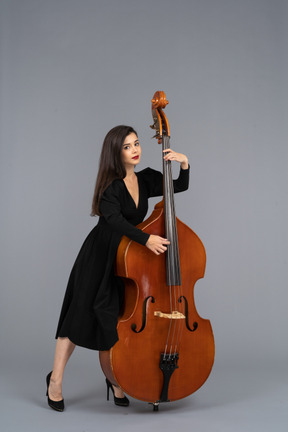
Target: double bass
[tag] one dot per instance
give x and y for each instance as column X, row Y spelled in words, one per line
column 165, row 350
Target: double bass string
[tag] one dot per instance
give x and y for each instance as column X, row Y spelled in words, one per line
column 172, row 261
column 168, row 236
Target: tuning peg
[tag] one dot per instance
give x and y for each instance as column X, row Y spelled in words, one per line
column 156, row 136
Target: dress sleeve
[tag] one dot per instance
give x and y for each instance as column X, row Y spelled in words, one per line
column 111, row 211
column 154, row 181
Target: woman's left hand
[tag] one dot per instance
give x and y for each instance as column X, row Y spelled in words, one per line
column 178, row 157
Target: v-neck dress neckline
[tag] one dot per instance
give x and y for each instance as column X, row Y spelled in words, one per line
column 136, row 206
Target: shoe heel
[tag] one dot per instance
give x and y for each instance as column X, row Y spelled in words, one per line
column 124, row 401
column 56, row 405
column 108, row 388
column 48, row 381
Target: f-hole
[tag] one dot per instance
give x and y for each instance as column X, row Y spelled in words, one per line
column 144, row 315
column 195, row 324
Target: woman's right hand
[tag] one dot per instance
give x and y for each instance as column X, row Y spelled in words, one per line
column 157, row 244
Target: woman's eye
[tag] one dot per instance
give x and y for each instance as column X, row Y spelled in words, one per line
column 126, row 147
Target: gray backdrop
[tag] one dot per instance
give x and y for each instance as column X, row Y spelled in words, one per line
column 71, row 70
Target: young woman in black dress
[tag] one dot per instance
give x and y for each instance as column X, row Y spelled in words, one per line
column 94, row 294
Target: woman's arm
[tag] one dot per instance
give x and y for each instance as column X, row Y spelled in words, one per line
column 154, row 179
column 111, row 211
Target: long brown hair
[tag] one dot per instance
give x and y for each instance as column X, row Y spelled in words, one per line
column 110, row 164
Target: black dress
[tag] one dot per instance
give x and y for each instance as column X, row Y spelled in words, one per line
column 94, row 294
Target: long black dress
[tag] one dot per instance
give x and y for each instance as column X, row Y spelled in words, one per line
column 94, row 294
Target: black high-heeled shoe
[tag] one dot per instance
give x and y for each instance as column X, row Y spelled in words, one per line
column 118, row 401
column 56, row 405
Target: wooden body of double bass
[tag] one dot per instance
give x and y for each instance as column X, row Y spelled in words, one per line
column 165, row 350
column 134, row 360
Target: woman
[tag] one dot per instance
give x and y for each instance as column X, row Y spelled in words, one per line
column 94, row 294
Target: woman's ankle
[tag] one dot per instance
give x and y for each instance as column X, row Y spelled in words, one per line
column 56, row 380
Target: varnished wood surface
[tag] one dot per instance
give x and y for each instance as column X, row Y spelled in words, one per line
column 135, row 358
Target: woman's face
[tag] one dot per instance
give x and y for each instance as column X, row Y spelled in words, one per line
column 131, row 151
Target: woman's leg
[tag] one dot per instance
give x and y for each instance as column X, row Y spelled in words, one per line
column 104, row 357
column 63, row 351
